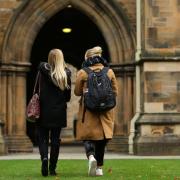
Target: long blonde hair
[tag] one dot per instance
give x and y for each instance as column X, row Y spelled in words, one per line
column 57, row 64
column 95, row 51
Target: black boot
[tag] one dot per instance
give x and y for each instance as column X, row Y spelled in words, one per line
column 53, row 160
column 52, row 167
column 52, row 172
column 44, row 167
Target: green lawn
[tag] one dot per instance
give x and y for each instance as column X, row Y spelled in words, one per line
column 77, row 170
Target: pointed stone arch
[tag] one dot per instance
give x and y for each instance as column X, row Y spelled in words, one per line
column 32, row 16
column 16, row 51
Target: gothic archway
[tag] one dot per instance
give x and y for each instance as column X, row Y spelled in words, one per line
column 19, row 40
column 84, row 34
column 32, row 16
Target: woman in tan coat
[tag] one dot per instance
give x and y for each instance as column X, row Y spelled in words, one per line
column 94, row 128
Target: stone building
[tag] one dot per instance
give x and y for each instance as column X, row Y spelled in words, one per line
column 140, row 40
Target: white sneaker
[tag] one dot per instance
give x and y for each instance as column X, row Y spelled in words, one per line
column 92, row 166
column 99, row 172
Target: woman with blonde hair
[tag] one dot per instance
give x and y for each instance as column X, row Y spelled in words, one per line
column 94, row 128
column 55, row 92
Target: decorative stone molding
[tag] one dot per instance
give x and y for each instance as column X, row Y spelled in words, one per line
column 32, row 16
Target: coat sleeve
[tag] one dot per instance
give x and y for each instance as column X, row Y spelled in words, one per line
column 79, row 84
column 114, row 82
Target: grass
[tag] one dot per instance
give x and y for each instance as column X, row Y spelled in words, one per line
column 77, row 170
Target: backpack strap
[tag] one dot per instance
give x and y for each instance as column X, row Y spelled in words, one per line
column 37, row 83
column 105, row 69
column 87, row 70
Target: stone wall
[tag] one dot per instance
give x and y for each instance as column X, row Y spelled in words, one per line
column 161, row 87
column 161, row 22
column 7, row 9
column 129, row 7
column 158, row 125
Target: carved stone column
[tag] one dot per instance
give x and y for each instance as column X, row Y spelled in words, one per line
column 13, row 107
column 2, row 143
column 124, row 110
column 67, row 134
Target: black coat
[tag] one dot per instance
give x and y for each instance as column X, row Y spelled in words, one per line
column 52, row 99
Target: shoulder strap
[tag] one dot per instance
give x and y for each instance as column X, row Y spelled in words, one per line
column 105, row 69
column 37, row 82
column 87, row 70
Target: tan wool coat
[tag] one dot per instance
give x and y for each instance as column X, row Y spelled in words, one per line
column 95, row 125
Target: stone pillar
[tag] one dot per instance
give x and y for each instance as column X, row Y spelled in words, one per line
column 3, row 149
column 14, row 107
column 124, row 110
column 67, row 135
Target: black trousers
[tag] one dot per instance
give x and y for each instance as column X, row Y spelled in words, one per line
column 44, row 134
column 96, row 148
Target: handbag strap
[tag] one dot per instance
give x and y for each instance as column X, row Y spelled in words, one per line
column 37, row 81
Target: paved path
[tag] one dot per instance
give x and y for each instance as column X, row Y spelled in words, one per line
column 77, row 152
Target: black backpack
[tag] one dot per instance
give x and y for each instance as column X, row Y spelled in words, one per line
column 99, row 95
